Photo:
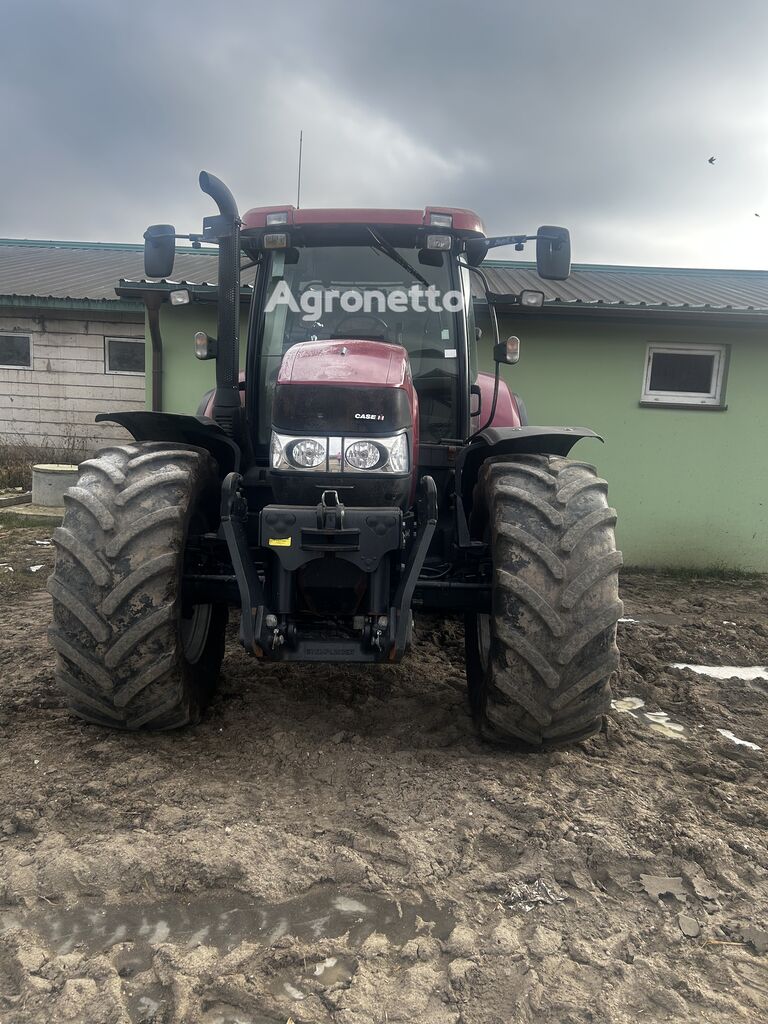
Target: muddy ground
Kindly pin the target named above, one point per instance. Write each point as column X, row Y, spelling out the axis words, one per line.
column 334, row 845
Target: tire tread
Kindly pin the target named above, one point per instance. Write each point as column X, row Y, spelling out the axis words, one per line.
column 555, row 601
column 116, row 588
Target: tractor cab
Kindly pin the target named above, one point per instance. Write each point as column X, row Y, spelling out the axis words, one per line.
column 382, row 276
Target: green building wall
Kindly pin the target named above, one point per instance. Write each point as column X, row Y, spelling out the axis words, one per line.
column 186, row 379
column 690, row 485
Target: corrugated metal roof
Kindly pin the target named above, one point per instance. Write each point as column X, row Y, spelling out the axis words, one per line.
column 659, row 288
column 80, row 270
column 91, row 270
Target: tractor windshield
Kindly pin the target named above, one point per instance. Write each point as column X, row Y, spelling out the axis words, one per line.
column 363, row 292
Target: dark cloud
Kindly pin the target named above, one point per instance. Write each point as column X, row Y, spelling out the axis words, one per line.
column 600, row 115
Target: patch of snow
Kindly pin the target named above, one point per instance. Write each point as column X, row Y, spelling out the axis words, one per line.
column 661, row 718
column 657, row 721
column 735, row 739
column 746, row 672
column 627, row 704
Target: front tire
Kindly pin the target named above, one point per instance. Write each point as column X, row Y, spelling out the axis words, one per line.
column 131, row 655
column 539, row 667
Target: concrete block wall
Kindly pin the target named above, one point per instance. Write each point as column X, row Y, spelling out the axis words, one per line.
column 55, row 402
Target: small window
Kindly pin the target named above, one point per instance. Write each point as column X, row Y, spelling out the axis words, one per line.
column 16, row 351
column 123, row 355
column 684, row 375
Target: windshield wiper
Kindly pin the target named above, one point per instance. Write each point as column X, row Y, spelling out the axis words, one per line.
column 389, row 250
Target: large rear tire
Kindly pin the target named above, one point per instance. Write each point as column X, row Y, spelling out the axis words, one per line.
column 539, row 667
column 130, row 655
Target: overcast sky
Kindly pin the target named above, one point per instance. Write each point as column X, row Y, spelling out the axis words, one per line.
column 597, row 114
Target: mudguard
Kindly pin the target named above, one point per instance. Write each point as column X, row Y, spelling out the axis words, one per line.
column 497, row 441
column 199, row 431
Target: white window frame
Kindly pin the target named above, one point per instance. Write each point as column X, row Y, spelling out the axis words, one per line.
column 15, row 366
column 122, row 373
column 714, row 398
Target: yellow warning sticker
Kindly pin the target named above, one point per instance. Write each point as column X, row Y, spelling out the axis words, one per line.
column 279, row 542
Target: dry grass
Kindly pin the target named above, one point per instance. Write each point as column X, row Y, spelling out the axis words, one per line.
column 17, row 457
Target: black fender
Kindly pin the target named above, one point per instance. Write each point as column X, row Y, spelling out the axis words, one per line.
column 496, row 441
column 199, row 431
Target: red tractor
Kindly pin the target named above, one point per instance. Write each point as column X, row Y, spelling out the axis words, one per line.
column 361, row 467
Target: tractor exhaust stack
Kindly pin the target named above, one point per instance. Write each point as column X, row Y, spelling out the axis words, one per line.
column 225, row 229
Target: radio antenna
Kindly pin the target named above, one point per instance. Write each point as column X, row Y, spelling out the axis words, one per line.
column 298, row 184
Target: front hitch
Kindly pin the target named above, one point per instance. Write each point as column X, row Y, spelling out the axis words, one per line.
column 298, row 535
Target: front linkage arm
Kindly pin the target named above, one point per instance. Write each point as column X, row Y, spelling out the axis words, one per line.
column 234, row 511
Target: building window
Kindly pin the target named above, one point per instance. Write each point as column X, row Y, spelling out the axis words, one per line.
column 16, row 351
column 123, row 355
column 689, row 375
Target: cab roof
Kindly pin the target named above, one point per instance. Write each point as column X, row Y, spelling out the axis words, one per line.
column 463, row 222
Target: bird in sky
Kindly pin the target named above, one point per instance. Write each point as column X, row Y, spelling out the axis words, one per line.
column 711, row 159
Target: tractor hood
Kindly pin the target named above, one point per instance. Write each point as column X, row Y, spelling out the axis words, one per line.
column 345, row 387
column 345, row 417
column 357, row 363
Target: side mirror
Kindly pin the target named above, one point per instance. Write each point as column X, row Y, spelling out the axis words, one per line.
column 159, row 250
column 507, row 351
column 553, row 253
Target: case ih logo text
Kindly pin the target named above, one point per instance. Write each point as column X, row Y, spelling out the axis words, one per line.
column 369, row 416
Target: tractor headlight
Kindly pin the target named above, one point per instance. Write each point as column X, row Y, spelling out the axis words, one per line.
column 363, row 455
column 340, row 455
column 385, row 454
column 308, row 453
column 286, row 452
column 398, row 454
column 276, row 450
